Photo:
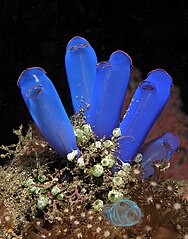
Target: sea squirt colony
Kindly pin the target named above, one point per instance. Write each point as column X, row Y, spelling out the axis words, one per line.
column 99, row 89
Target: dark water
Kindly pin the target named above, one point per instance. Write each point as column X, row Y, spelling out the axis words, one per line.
column 35, row 33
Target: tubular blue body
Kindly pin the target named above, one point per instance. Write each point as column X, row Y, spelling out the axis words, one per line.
column 122, row 213
column 80, row 62
column 47, row 110
column 145, row 107
column 109, row 93
column 160, row 148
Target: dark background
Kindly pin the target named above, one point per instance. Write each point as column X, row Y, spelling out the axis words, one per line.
column 35, row 33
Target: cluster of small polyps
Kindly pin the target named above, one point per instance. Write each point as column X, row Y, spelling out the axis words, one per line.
column 100, row 90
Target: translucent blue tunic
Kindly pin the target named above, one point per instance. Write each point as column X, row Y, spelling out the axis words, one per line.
column 47, row 110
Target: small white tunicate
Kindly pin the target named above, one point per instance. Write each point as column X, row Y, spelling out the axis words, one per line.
column 80, row 162
column 72, row 155
column 138, row 158
column 177, row 206
column 116, row 132
column 126, row 167
column 98, row 144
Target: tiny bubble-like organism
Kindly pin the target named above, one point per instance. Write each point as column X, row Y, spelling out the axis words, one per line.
column 123, row 213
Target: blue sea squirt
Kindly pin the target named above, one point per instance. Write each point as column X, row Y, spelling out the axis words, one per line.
column 100, row 90
column 80, row 63
column 110, row 87
column 47, row 110
column 160, row 148
column 147, row 103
